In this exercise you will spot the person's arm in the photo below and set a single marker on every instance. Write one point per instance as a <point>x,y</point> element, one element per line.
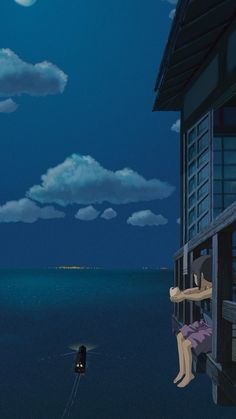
<point>199,295</point>
<point>194,295</point>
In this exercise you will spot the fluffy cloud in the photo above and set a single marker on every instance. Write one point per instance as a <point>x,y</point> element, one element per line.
<point>8,106</point>
<point>176,126</point>
<point>109,213</point>
<point>146,218</point>
<point>172,14</point>
<point>26,211</point>
<point>87,214</point>
<point>18,77</point>
<point>82,180</point>
<point>26,3</point>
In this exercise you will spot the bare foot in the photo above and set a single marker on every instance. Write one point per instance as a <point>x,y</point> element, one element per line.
<point>178,377</point>
<point>186,381</point>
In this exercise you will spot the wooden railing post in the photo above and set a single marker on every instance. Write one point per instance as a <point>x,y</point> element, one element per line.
<point>222,290</point>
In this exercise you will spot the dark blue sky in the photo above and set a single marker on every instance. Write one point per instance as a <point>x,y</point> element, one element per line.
<point>110,52</point>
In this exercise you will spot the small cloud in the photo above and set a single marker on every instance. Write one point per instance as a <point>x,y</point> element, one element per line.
<point>178,221</point>
<point>176,126</point>
<point>18,77</point>
<point>26,211</point>
<point>172,14</point>
<point>8,106</point>
<point>146,218</point>
<point>87,214</point>
<point>26,3</point>
<point>82,180</point>
<point>109,213</point>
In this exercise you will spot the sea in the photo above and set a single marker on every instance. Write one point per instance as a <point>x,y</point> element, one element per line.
<point>123,317</point>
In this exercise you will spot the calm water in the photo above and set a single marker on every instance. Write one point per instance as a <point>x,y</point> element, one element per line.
<point>126,315</point>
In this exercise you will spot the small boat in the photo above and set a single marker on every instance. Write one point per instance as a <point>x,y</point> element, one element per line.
<point>80,360</point>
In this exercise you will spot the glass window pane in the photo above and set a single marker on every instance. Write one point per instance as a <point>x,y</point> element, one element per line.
<point>228,200</point>
<point>217,156</point>
<point>192,216</point>
<point>203,222</point>
<point>192,152</point>
<point>203,190</point>
<point>218,202</point>
<point>192,232</point>
<point>203,142</point>
<point>192,135</point>
<point>218,186</point>
<point>203,206</point>
<point>192,200</point>
<point>203,174</point>
<point>217,172</point>
<point>230,157</point>
<point>203,125</point>
<point>229,143</point>
<point>217,143</point>
<point>230,186</point>
<point>230,172</point>
<point>192,185</point>
<point>217,211</point>
<point>192,168</point>
<point>203,158</point>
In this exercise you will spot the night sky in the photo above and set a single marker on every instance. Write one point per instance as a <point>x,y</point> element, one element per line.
<point>86,114</point>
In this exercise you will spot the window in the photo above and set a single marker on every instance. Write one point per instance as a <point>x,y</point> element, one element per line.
<point>230,157</point>
<point>203,174</point>
<point>192,152</point>
<point>203,190</point>
<point>203,206</point>
<point>192,200</point>
<point>203,142</point>
<point>203,158</point>
<point>192,135</point>
<point>192,184</point>
<point>203,222</point>
<point>224,156</point>
<point>230,186</point>
<point>192,216</point>
<point>192,168</point>
<point>197,173</point>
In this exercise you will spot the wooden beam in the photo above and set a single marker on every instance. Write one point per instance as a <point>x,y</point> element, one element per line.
<point>222,290</point>
<point>227,219</point>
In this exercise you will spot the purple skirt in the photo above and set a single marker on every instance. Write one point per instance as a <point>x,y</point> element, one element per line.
<point>200,335</point>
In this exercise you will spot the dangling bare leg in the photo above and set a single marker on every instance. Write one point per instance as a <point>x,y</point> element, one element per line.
<point>180,341</point>
<point>188,364</point>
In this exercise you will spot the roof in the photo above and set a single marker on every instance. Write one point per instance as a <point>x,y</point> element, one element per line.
<point>196,28</point>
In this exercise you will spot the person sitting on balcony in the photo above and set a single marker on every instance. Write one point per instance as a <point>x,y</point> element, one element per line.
<point>196,336</point>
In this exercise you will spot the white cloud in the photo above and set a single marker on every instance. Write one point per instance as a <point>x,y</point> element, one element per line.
<point>18,77</point>
<point>82,180</point>
<point>146,218</point>
<point>8,106</point>
<point>26,3</point>
<point>26,211</point>
<point>87,214</point>
<point>172,14</point>
<point>176,126</point>
<point>178,221</point>
<point>109,213</point>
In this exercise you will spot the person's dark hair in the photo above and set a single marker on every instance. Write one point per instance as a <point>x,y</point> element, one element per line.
<point>202,265</point>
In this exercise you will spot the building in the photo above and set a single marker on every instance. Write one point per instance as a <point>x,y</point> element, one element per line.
<point>197,77</point>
